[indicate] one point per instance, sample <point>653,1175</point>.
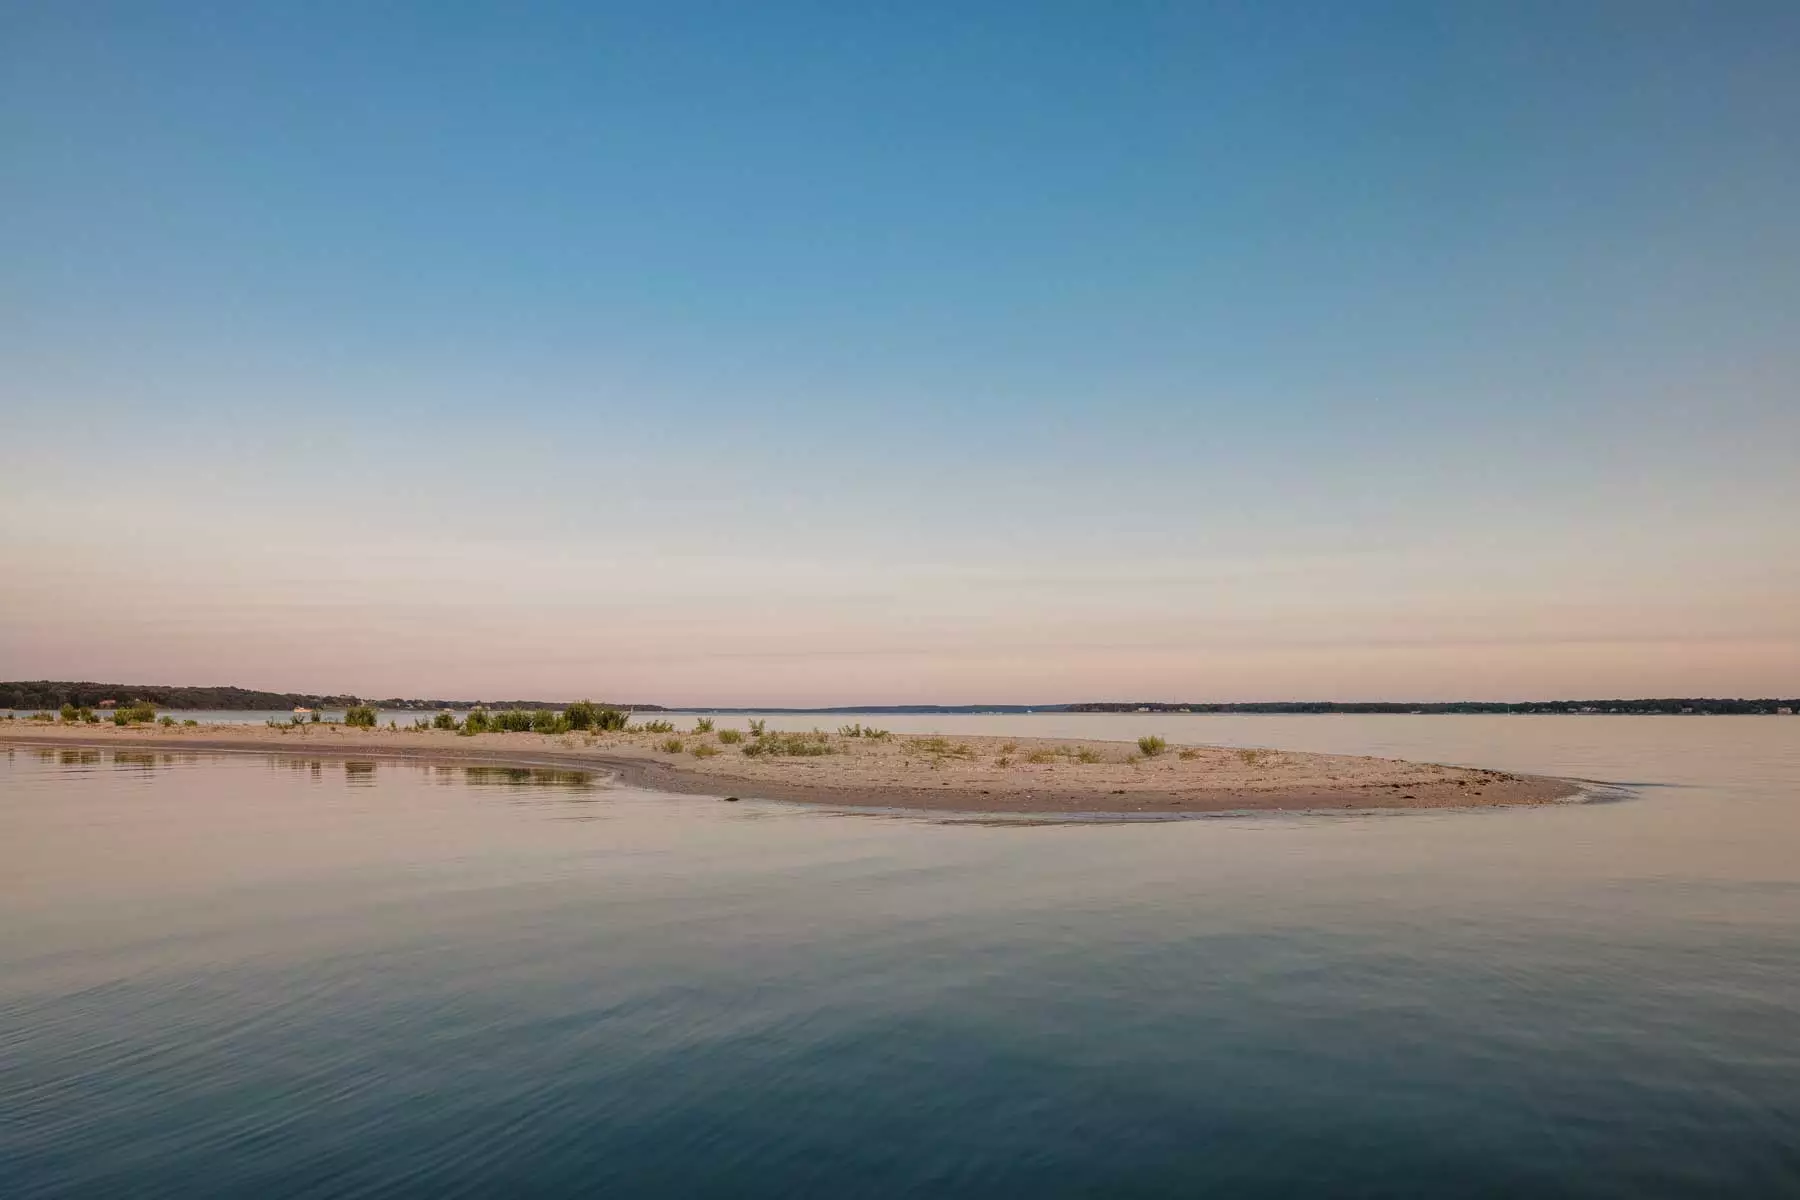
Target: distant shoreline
<point>41,694</point>
<point>1036,776</point>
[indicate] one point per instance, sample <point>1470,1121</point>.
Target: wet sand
<point>917,772</point>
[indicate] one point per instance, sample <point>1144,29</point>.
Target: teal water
<point>228,975</point>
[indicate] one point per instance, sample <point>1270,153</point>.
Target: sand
<point>917,772</point>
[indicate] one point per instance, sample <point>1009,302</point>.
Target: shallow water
<point>225,974</point>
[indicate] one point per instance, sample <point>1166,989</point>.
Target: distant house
<point>301,710</point>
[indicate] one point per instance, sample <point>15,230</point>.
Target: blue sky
<point>826,352</point>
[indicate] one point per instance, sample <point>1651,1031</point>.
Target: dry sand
<point>948,774</point>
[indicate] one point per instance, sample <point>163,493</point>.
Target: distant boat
<point>301,712</point>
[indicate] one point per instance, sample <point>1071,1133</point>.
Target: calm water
<point>272,976</point>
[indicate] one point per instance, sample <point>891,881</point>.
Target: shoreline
<point>917,773</point>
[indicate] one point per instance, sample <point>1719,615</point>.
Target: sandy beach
<point>933,773</point>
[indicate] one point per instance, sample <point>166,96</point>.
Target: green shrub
<point>757,727</point>
<point>703,725</point>
<point>360,716</point>
<point>70,713</point>
<point>798,745</point>
<point>1150,745</point>
<point>476,722</point>
<point>1188,754</point>
<point>705,750</point>
<point>731,737</point>
<point>138,712</point>
<point>611,720</point>
<point>859,730</point>
<point>656,727</point>
<point>548,720</point>
<point>191,723</point>
<point>44,716</point>
<point>165,720</point>
<point>315,716</point>
<point>940,747</point>
<point>444,720</point>
<point>580,715</point>
<point>670,745</point>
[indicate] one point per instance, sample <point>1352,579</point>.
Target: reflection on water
<point>532,777</point>
<point>231,975</point>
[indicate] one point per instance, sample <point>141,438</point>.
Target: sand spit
<point>935,773</point>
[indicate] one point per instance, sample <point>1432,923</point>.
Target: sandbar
<point>948,773</point>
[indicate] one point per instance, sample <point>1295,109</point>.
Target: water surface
<point>275,975</point>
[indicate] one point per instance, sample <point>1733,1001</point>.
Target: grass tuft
<point>731,737</point>
<point>670,745</point>
<point>1150,745</point>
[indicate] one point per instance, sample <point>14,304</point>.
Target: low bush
<point>757,727</point>
<point>581,714</point>
<point>512,720</point>
<point>670,745</point>
<point>165,720</point>
<point>705,750</point>
<point>611,720</point>
<point>360,716</point>
<point>940,747</point>
<point>859,730</point>
<point>796,745</point>
<point>548,720</point>
<point>191,723</point>
<point>703,725</point>
<point>476,722</point>
<point>1150,745</point>
<point>1189,753</point>
<point>655,727</point>
<point>731,737</point>
<point>70,713</point>
<point>444,720</point>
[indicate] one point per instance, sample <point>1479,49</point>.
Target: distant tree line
<point>1673,705</point>
<point>49,694</point>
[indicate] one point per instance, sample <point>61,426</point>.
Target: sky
<point>902,353</point>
